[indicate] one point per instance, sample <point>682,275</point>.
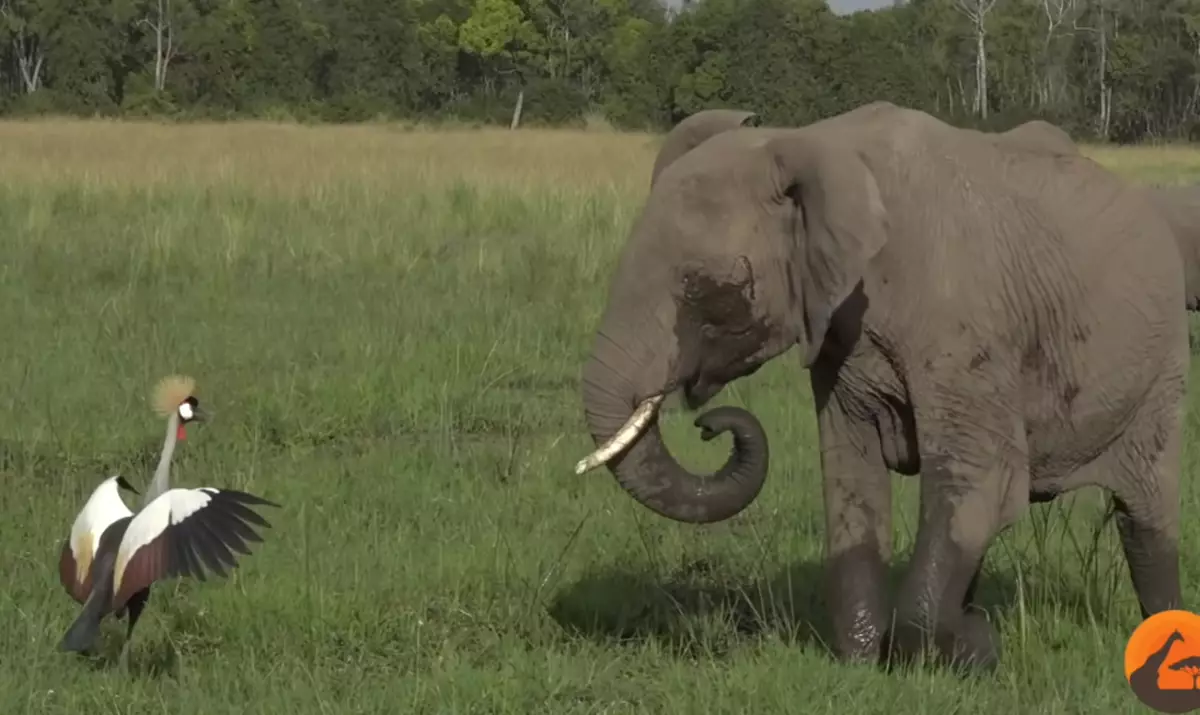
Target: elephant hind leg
<point>1145,486</point>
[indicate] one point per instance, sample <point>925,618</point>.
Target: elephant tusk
<point>629,433</point>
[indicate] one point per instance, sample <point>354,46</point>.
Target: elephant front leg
<point>974,479</point>
<point>858,529</point>
<point>957,524</point>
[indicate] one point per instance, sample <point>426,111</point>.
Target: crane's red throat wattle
<point>180,433</point>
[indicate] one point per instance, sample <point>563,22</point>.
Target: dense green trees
<point>1124,70</point>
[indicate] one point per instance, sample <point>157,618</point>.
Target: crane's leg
<point>137,603</point>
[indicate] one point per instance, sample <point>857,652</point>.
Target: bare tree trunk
<point>27,47</point>
<point>29,62</point>
<point>981,88</point>
<point>1105,90</point>
<point>1189,112</point>
<point>1056,12</point>
<point>516,115</point>
<point>164,42</point>
<point>977,11</point>
<point>1104,112</point>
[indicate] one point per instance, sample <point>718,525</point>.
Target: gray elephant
<point>1008,336</point>
<point>1040,136</point>
<point>1180,205</point>
<point>694,130</point>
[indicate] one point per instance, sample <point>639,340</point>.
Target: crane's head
<point>173,400</point>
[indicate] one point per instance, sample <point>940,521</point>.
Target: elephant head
<point>695,130</point>
<point>745,247</point>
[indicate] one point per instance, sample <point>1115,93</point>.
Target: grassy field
<point>389,327</point>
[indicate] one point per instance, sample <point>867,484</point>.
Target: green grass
<point>399,368</point>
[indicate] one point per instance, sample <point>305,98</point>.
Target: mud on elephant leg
<point>858,531</point>
<point>974,480</point>
<point>958,521</point>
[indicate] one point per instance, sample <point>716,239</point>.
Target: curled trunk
<point>648,471</point>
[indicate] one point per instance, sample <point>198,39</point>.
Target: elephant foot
<point>975,646</point>
<point>970,645</point>
<point>858,609</point>
<point>863,641</point>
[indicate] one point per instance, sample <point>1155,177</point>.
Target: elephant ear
<point>841,219</point>
<point>695,130</point>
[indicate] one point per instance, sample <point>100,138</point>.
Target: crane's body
<point>98,602</point>
<point>113,554</point>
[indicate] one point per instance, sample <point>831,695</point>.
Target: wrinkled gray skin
<point>1180,205</point>
<point>958,322</point>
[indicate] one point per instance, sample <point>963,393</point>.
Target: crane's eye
<point>186,412</point>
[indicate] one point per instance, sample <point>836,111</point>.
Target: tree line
<point>1106,70</point>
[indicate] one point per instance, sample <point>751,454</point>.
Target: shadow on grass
<point>693,612</point>
<point>149,660</point>
<point>624,605</point>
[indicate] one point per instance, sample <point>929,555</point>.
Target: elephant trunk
<point>623,421</point>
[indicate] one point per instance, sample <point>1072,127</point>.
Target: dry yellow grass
<point>288,158</point>
<point>291,159</point>
<point>1168,164</point>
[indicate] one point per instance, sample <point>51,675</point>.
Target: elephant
<point>1040,136</point>
<point>999,323</point>
<point>1180,206</point>
<point>695,129</point>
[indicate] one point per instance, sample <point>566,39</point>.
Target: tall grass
<point>388,325</point>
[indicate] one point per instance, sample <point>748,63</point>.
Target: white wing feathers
<point>103,507</point>
<point>180,532</point>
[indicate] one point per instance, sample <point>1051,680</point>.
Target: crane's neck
<point>162,474</point>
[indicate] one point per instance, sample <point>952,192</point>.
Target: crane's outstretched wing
<point>103,508</point>
<point>181,532</point>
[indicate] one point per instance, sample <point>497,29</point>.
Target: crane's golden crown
<point>170,392</point>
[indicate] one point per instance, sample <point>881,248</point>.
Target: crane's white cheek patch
<point>185,411</point>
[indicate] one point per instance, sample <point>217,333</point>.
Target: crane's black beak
<point>126,485</point>
<point>199,414</point>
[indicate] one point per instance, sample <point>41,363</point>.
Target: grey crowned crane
<point>113,555</point>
